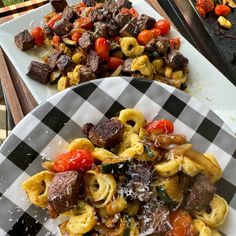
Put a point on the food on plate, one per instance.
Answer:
(219, 8)
(130, 177)
(95, 39)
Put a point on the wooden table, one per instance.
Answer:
(19, 98)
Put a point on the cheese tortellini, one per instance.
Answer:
(143, 65)
(37, 186)
(130, 47)
(80, 143)
(201, 228)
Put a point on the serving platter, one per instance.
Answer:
(206, 83)
(49, 128)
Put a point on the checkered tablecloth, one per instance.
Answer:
(46, 132)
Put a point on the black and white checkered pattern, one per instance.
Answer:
(47, 130)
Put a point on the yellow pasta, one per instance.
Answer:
(218, 214)
(101, 187)
(201, 228)
(190, 167)
(37, 186)
(102, 154)
(132, 119)
(167, 169)
(116, 206)
(80, 143)
(143, 65)
(130, 47)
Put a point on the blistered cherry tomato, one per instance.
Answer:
(38, 36)
(207, 5)
(80, 160)
(131, 11)
(163, 25)
(222, 10)
(114, 62)
(102, 48)
(181, 223)
(156, 32)
(160, 126)
(144, 37)
(85, 23)
(175, 43)
(52, 21)
(76, 36)
(56, 40)
(201, 11)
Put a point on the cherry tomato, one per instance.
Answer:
(207, 5)
(102, 48)
(85, 23)
(38, 36)
(201, 11)
(52, 21)
(124, 10)
(222, 10)
(56, 40)
(114, 62)
(80, 160)
(76, 36)
(144, 37)
(163, 25)
(160, 126)
(133, 12)
(156, 32)
(175, 43)
(181, 222)
(80, 7)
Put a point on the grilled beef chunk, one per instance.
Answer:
(24, 40)
(124, 3)
(145, 22)
(93, 61)
(47, 31)
(62, 27)
(201, 193)
(163, 46)
(86, 40)
(65, 64)
(58, 5)
(106, 134)
(101, 29)
(86, 74)
(130, 29)
(155, 218)
(87, 127)
(176, 60)
(97, 15)
(121, 19)
(39, 71)
(138, 182)
(69, 14)
(63, 191)
(185, 181)
(126, 67)
(52, 60)
(151, 46)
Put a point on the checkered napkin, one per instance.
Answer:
(48, 129)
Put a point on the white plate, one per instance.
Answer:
(206, 83)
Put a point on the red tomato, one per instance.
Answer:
(207, 5)
(80, 7)
(52, 21)
(102, 48)
(38, 36)
(133, 12)
(85, 23)
(76, 36)
(144, 37)
(56, 40)
(181, 222)
(163, 25)
(201, 11)
(222, 10)
(156, 32)
(124, 10)
(175, 43)
(114, 62)
(160, 126)
(80, 160)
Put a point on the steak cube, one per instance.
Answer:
(24, 40)
(65, 64)
(58, 5)
(69, 14)
(52, 60)
(62, 27)
(39, 72)
(93, 61)
(86, 74)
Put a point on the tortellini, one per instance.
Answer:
(101, 187)
(132, 119)
(82, 219)
(190, 167)
(218, 214)
(116, 206)
(81, 143)
(143, 65)
(130, 47)
(37, 187)
(157, 64)
(102, 154)
(167, 169)
(74, 76)
(201, 228)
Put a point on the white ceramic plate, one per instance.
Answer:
(206, 83)
(47, 131)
